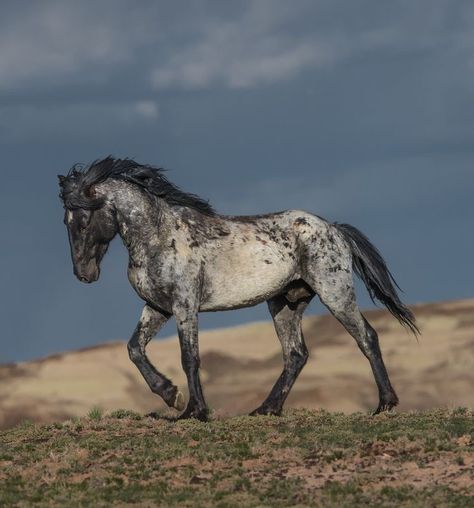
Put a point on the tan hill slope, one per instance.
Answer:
(240, 364)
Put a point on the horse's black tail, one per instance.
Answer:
(370, 266)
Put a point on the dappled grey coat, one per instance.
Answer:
(184, 258)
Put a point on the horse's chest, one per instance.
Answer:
(140, 281)
(147, 287)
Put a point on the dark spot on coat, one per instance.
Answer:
(268, 261)
(301, 221)
(253, 218)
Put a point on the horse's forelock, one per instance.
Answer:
(76, 191)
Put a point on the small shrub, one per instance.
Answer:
(122, 414)
(460, 411)
(95, 414)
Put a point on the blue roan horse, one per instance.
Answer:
(185, 258)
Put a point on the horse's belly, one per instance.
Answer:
(245, 286)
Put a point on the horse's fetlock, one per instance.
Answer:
(156, 388)
(169, 394)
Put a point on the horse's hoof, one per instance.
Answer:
(201, 415)
(179, 401)
(385, 407)
(265, 411)
(382, 409)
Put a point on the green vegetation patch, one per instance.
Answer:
(302, 458)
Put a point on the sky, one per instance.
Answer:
(360, 112)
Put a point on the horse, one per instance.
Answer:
(185, 258)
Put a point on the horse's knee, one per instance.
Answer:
(190, 360)
(299, 357)
(134, 352)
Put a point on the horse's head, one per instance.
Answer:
(91, 224)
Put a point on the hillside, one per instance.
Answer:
(240, 365)
(304, 458)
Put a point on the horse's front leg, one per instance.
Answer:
(150, 323)
(187, 322)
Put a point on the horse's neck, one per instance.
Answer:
(139, 220)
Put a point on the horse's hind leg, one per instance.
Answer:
(150, 323)
(287, 320)
(336, 292)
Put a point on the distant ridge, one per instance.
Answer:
(240, 364)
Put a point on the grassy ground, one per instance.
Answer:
(303, 458)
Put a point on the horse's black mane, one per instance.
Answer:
(76, 187)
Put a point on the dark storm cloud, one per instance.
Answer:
(358, 111)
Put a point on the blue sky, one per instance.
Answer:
(357, 111)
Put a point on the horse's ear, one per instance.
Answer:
(61, 179)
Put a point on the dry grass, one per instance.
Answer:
(304, 458)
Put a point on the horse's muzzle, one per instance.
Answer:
(88, 274)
